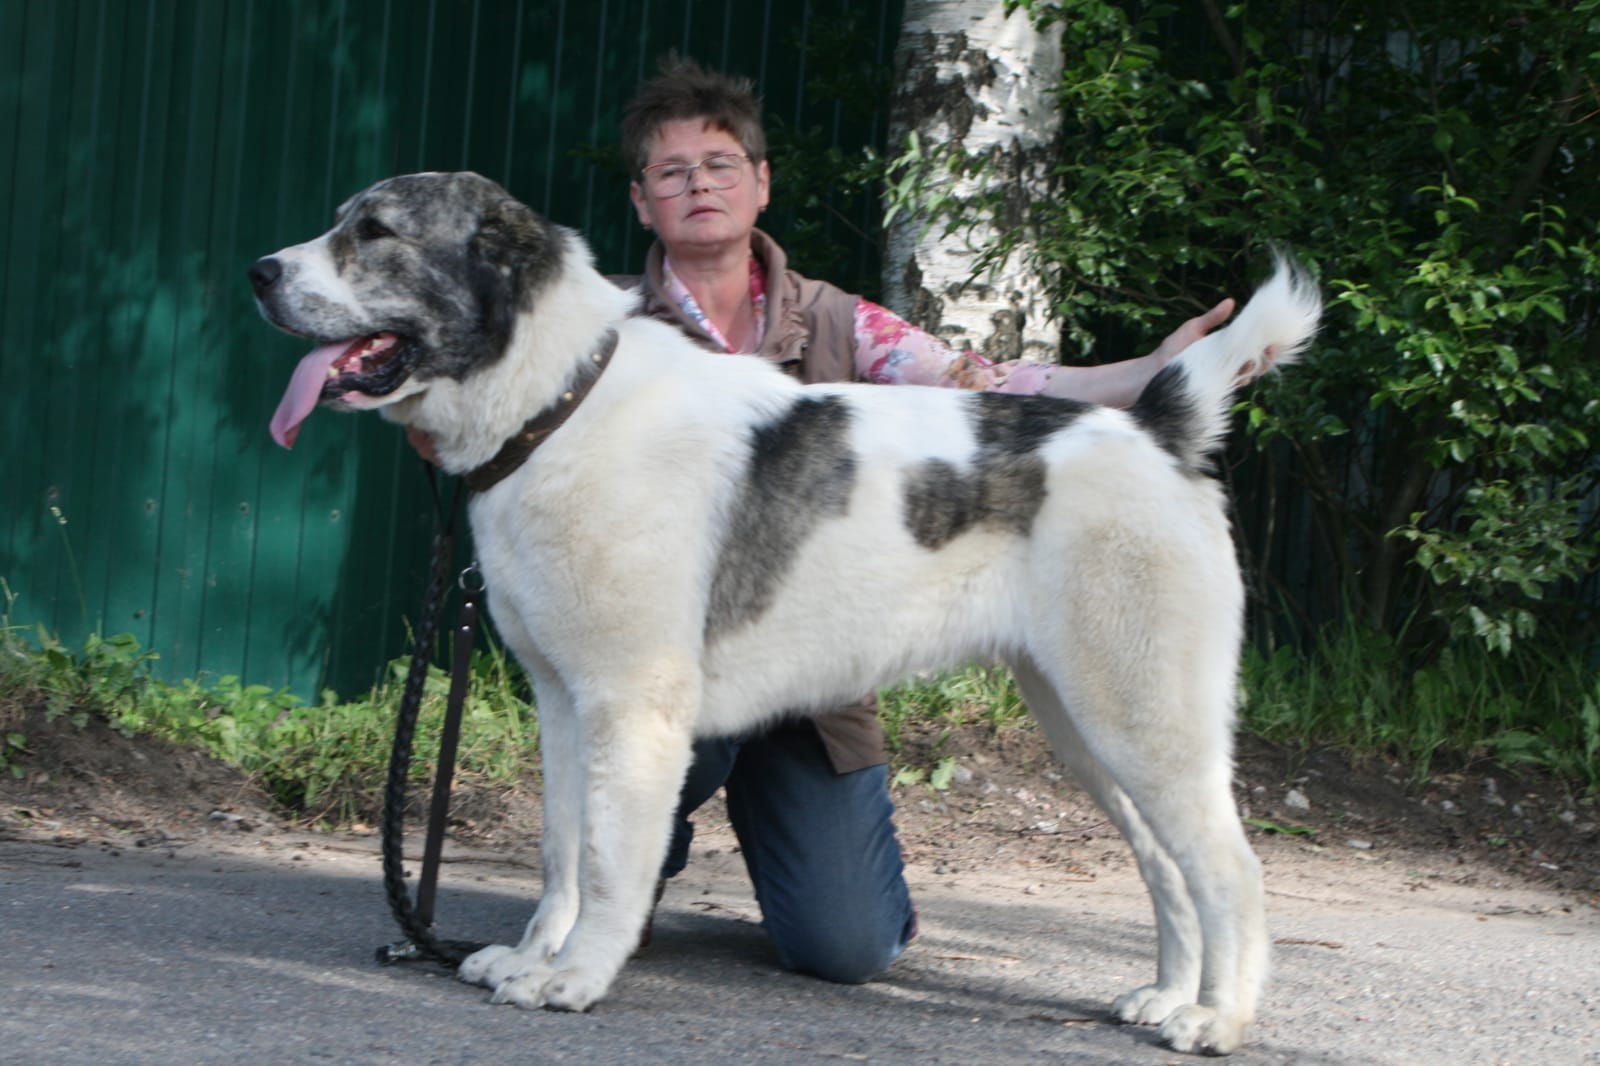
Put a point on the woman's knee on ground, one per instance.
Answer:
(835, 948)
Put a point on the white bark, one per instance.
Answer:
(970, 77)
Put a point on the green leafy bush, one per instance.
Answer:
(1426, 483)
(1427, 160)
(1354, 692)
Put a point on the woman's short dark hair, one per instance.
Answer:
(682, 89)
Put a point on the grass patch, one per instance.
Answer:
(326, 762)
(1537, 706)
(978, 695)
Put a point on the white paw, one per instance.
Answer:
(1149, 1005)
(493, 966)
(572, 990)
(1202, 1030)
(474, 969)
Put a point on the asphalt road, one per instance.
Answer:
(260, 951)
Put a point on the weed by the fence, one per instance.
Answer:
(322, 762)
(1536, 706)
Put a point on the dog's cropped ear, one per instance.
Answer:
(510, 253)
(511, 235)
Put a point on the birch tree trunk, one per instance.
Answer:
(974, 85)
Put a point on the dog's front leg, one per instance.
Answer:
(561, 751)
(637, 753)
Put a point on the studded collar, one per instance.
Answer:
(515, 451)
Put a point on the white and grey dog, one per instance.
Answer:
(706, 545)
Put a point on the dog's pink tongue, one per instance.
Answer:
(304, 388)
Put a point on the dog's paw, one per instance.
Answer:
(493, 966)
(525, 990)
(1201, 1030)
(574, 990)
(1149, 1005)
(474, 969)
(571, 990)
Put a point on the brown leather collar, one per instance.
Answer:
(515, 451)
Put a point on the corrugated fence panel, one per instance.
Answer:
(149, 151)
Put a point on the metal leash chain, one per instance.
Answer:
(416, 921)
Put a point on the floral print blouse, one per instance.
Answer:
(891, 351)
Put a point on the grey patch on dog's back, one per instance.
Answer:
(941, 502)
(1006, 485)
(1018, 425)
(801, 472)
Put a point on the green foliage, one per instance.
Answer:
(1476, 360)
(1417, 510)
(985, 696)
(940, 779)
(13, 748)
(324, 762)
(825, 208)
(1278, 827)
(1428, 159)
(1538, 705)
(327, 762)
(923, 177)
(108, 672)
(1361, 691)
(104, 676)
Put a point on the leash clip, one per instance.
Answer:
(407, 950)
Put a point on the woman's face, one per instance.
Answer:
(702, 217)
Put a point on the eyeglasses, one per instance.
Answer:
(666, 180)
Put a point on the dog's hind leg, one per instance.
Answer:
(1224, 878)
(1178, 936)
(1163, 739)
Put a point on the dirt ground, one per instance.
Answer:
(1009, 804)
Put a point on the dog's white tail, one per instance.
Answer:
(1186, 406)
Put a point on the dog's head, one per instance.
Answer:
(420, 278)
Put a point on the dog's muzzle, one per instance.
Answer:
(338, 370)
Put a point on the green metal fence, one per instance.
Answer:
(150, 150)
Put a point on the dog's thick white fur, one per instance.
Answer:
(707, 545)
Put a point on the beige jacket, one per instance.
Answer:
(810, 335)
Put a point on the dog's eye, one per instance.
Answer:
(370, 229)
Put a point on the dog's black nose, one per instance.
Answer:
(263, 273)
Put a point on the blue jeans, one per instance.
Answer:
(820, 848)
